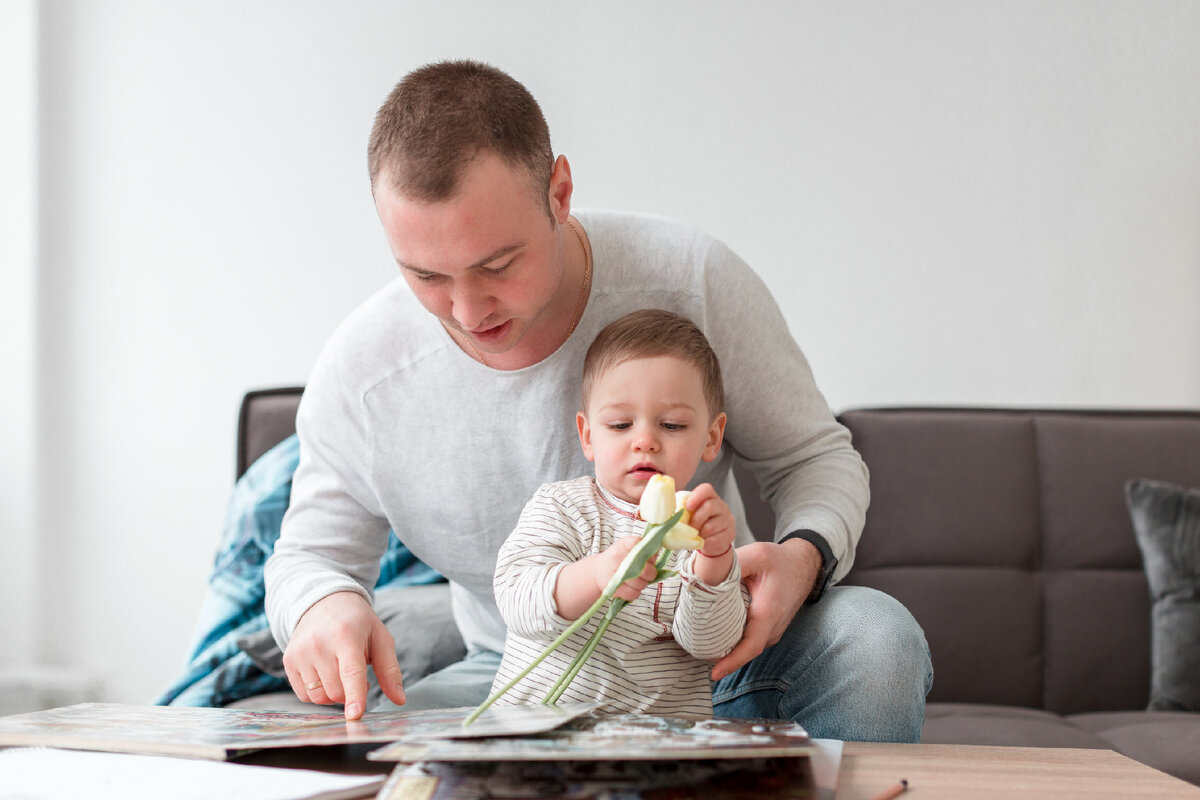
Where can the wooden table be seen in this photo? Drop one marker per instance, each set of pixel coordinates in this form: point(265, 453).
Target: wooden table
point(933, 771)
point(970, 772)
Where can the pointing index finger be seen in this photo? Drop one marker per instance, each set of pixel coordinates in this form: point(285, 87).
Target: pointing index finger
point(353, 672)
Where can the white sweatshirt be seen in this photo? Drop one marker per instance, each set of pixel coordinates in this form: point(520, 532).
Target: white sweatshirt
point(400, 428)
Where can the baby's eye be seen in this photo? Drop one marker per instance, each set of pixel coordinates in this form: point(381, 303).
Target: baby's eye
point(619, 426)
point(674, 426)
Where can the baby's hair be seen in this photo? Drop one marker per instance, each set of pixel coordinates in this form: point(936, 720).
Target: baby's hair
point(653, 332)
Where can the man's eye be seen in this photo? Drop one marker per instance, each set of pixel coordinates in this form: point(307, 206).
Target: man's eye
point(500, 270)
point(426, 277)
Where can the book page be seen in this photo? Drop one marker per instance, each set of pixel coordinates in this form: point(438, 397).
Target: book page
point(622, 737)
point(220, 733)
point(36, 773)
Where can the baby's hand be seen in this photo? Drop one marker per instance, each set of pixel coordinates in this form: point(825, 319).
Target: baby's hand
point(713, 519)
point(612, 558)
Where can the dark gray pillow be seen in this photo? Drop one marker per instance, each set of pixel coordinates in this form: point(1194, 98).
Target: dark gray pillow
point(1166, 520)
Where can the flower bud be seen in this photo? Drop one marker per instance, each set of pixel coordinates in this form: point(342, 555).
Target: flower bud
point(681, 503)
point(658, 499)
point(683, 537)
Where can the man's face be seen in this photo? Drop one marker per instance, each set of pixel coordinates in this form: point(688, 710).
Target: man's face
point(488, 262)
point(645, 416)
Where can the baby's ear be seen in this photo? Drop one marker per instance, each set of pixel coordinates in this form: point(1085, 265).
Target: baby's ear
point(585, 435)
point(716, 435)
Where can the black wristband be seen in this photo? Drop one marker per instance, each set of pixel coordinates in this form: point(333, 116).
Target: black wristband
point(829, 561)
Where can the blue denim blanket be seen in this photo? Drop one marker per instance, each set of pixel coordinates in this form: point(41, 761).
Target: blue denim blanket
point(217, 671)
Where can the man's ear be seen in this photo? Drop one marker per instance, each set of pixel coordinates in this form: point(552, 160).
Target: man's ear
point(561, 189)
point(716, 435)
point(585, 436)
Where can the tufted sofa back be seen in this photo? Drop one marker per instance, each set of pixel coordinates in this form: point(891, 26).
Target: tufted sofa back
point(1005, 532)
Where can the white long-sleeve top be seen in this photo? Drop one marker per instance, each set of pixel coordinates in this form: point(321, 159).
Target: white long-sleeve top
point(400, 428)
point(653, 657)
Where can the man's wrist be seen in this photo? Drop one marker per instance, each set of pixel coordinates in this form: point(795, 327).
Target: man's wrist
point(829, 561)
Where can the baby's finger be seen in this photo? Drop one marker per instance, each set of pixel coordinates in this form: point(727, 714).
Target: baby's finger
point(699, 496)
point(630, 589)
point(703, 502)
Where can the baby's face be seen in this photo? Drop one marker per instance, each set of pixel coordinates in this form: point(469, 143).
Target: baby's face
point(645, 416)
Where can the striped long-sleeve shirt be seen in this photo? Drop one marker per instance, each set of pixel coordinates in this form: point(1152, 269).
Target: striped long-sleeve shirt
point(653, 658)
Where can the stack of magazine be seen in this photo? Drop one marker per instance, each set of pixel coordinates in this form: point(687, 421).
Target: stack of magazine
point(511, 751)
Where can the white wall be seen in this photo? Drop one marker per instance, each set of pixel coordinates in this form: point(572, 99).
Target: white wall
point(954, 202)
point(18, 340)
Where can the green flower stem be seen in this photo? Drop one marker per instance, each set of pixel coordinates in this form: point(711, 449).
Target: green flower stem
point(562, 637)
point(635, 561)
point(630, 567)
point(663, 558)
point(581, 658)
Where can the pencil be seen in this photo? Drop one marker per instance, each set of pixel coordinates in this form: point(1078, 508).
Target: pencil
point(895, 791)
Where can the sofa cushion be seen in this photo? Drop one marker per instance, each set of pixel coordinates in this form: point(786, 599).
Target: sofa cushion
point(1005, 533)
point(1010, 726)
point(1165, 740)
point(1098, 624)
point(977, 624)
point(952, 533)
point(1096, 640)
point(1166, 519)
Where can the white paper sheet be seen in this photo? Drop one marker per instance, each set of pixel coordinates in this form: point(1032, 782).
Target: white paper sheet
point(28, 773)
point(826, 761)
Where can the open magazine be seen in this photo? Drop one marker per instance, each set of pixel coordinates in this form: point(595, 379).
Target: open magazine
point(625, 757)
point(220, 733)
point(623, 737)
point(606, 780)
point(511, 751)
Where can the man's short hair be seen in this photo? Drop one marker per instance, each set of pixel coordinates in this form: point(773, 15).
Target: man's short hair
point(649, 333)
point(441, 116)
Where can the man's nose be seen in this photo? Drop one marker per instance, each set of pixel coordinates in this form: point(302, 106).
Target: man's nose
point(472, 305)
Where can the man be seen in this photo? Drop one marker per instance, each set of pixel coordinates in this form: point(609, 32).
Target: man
point(427, 413)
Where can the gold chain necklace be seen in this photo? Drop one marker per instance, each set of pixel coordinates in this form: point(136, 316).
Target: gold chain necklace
point(587, 282)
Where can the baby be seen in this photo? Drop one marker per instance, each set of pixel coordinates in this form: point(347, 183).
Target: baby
point(652, 404)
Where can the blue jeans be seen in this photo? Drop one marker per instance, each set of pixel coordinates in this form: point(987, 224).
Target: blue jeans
point(855, 667)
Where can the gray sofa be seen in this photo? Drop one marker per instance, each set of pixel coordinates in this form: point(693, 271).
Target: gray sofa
point(1006, 533)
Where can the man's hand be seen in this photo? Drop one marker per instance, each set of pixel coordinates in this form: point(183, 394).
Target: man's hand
point(780, 578)
point(327, 657)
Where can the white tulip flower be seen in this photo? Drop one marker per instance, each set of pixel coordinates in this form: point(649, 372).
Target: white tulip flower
point(658, 499)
